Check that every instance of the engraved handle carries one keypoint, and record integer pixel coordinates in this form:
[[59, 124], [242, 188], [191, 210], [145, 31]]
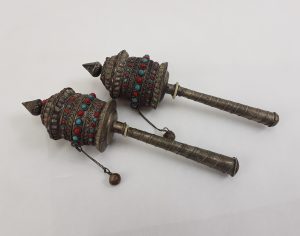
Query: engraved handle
[[261, 116], [216, 161]]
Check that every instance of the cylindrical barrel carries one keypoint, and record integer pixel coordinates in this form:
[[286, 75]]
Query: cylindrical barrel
[[261, 116], [216, 161]]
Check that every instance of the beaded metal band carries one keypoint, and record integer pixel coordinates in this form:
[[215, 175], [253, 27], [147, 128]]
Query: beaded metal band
[[118, 72], [68, 116], [51, 112], [72, 116]]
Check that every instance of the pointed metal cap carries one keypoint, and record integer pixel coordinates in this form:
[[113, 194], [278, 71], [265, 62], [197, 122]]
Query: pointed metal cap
[[34, 107], [94, 68]]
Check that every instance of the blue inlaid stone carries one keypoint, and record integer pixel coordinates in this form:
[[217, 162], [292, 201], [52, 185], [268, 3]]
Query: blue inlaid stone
[[75, 138], [141, 72], [90, 140], [78, 121], [91, 130], [145, 60], [137, 87], [91, 97], [94, 119], [84, 106]]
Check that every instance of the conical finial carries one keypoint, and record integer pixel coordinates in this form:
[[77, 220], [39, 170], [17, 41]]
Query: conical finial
[[34, 107], [94, 68]]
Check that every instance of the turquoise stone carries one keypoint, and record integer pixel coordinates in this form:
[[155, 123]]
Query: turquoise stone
[[91, 97], [84, 106], [144, 60], [94, 119], [92, 130], [90, 140], [78, 121], [75, 138], [141, 72], [137, 87]]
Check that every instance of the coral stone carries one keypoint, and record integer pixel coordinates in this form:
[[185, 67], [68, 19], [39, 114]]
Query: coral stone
[[80, 113], [87, 101], [143, 66], [77, 131], [93, 95], [96, 114], [139, 80]]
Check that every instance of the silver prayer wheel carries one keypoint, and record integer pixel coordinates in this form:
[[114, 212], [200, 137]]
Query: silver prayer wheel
[[145, 82], [86, 120]]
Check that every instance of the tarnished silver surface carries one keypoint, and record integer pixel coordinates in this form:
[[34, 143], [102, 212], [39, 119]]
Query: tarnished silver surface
[[83, 119], [261, 116], [145, 82], [107, 118], [216, 161]]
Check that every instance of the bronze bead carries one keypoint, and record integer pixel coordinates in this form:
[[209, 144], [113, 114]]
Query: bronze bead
[[169, 135], [114, 179]]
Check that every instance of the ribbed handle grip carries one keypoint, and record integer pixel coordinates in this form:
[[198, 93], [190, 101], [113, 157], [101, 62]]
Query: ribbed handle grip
[[261, 116], [216, 161]]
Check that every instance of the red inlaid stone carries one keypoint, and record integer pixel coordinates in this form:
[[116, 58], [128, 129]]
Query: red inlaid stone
[[139, 80], [87, 101], [80, 113], [93, 94], [96, 114], [143, 66], [135, 94], [93, 125], [77, 131]]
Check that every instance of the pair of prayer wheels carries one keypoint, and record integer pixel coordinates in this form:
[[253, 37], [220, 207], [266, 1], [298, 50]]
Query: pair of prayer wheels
[[83, 119]]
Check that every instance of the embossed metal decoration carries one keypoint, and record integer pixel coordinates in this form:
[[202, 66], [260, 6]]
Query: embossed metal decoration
[[86, 120], [145, 82]]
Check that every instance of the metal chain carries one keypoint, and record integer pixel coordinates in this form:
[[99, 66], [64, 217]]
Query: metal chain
[[79, 149], [165, 129]]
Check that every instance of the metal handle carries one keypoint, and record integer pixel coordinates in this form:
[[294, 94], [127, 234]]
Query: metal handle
[[261, 116], [216, 161]]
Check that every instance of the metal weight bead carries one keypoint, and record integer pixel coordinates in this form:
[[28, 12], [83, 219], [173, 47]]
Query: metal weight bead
[[169, 135], [114, 179]]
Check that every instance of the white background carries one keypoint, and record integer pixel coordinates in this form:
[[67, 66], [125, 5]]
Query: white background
[[247, 51]]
